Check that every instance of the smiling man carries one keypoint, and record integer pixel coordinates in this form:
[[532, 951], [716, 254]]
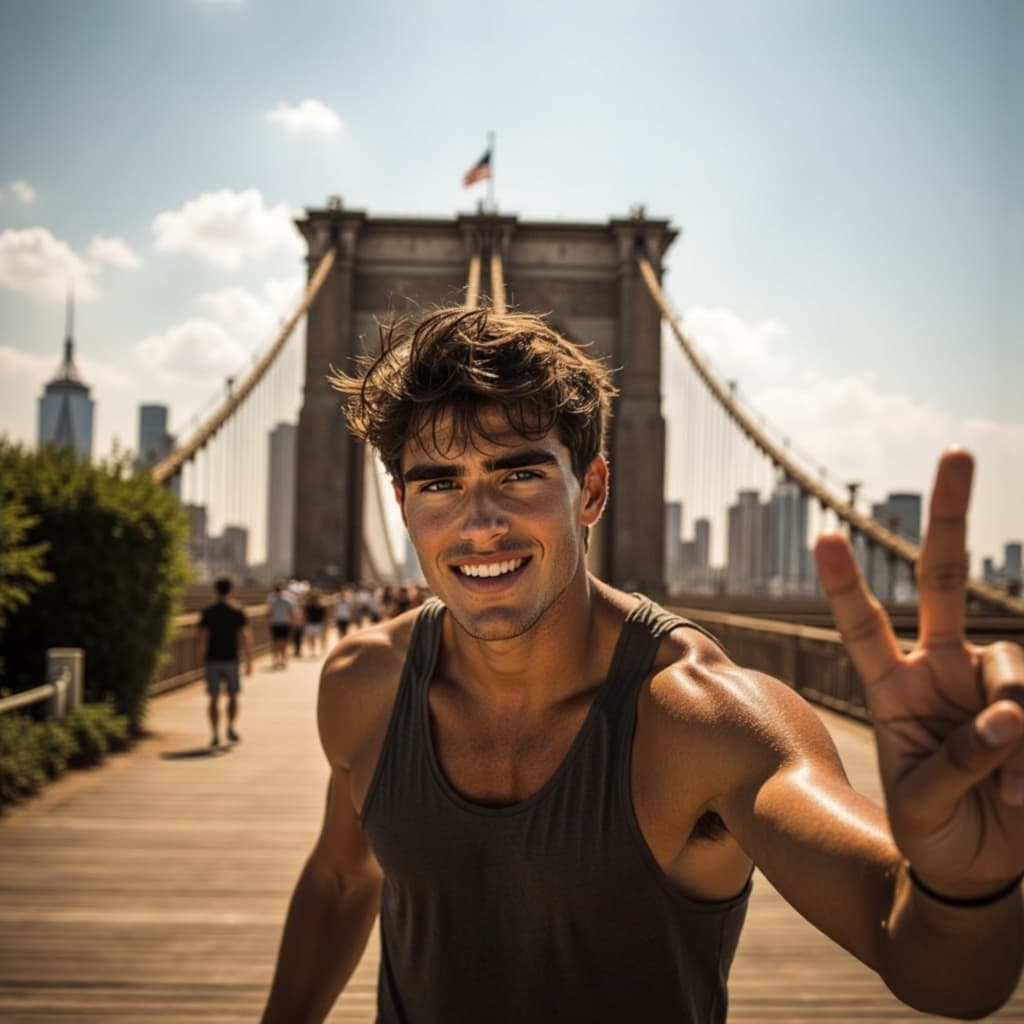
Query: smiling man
[[555, 792]]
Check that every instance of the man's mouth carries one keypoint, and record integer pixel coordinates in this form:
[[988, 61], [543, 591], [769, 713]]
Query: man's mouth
[[486, 570]]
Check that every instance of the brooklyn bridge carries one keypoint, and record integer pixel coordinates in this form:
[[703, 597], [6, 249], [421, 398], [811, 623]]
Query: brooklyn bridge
[[155, 887]]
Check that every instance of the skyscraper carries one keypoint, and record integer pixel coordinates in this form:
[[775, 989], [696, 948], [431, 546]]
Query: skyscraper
[[673, 543], [154, 441], [65, 408], [901, 513], [788, 556], [281, 500]]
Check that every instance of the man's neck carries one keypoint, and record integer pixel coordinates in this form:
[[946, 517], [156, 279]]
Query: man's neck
[[564, 652]]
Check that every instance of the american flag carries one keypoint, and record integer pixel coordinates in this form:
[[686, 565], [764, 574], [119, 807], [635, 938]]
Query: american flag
[[479, 171]]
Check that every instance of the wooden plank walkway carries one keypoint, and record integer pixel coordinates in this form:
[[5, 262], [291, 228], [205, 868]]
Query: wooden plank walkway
[[154, 887]]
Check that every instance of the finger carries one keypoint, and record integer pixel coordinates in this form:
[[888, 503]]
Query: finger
[[942, 569], [969, 754], [1002, 678], [866, 630]]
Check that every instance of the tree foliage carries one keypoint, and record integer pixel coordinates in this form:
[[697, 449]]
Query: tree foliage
[[114, 549]]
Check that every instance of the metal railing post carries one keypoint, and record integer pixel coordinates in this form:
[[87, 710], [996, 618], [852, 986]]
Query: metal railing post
[[65, 668]]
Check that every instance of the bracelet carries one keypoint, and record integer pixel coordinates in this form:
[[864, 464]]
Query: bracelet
[[965, 901]]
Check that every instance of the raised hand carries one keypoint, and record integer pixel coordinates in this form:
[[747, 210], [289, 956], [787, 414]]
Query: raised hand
[[949, 716]]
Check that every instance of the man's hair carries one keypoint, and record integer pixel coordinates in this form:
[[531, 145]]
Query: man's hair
[[223, 586], [464, 361]]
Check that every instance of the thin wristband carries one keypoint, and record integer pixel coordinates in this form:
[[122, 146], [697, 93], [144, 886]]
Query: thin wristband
[[965, 901]]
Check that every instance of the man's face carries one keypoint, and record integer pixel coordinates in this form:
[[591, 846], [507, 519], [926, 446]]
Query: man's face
[[497, 523]]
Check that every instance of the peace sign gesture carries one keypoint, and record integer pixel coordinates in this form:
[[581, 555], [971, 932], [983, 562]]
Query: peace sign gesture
[[948, 716]]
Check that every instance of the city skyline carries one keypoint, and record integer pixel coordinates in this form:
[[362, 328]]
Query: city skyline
[[846, 180]]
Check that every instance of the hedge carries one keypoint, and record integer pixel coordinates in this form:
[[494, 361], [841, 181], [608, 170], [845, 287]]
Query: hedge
[[31, 752], [112, 543]]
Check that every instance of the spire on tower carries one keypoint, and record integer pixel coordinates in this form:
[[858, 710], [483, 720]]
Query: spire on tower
[[69, 329]]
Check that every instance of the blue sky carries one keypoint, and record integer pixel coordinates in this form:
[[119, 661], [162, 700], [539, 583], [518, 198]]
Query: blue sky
[[846, 175]]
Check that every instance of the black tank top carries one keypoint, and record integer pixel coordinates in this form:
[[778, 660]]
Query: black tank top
[[548, 910]]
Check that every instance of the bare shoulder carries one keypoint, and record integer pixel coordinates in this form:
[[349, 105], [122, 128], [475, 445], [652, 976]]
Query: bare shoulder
[[358, 685], [745, 724]]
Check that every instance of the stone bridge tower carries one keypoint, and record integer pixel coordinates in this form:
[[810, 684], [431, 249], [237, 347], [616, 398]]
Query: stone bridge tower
[[583, 276]]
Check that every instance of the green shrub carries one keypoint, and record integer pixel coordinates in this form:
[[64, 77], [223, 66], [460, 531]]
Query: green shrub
[[115, 553], [90, 738], [30, 751], [21, 769], [56, 747]]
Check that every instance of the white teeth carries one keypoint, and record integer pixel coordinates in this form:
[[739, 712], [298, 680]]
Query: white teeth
[[492, 568]]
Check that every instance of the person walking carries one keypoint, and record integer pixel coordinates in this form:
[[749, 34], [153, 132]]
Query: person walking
[[316, 619], [280, 612], [223, 635]]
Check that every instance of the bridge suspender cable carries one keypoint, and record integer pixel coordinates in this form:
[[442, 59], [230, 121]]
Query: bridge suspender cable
[[891, 542], [497, 279], [473, 279], [167, 468]]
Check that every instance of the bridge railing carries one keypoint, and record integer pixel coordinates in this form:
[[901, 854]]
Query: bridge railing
[[810, 659]]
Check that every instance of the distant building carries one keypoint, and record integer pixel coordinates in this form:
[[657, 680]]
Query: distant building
[[155, 443], [65, 408], [281, 500], [890, 579], [1012, 563], [748, 543], [229, 553], [789, 560]]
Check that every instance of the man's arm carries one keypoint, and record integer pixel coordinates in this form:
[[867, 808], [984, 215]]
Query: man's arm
[[338, 892], [245, 639], [949, 724], [329, 918]]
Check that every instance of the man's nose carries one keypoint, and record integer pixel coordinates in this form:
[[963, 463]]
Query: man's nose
[[484, 515]]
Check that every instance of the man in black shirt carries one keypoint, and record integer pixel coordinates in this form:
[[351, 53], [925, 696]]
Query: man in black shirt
[[222, 628]]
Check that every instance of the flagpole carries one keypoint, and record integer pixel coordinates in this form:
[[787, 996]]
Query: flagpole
[[490, 180]]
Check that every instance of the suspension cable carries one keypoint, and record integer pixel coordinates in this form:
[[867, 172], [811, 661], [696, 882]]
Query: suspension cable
[[897, 546], [166, 468]]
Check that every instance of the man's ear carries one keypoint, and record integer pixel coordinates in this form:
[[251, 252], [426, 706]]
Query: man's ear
[[399, 492], [594, 494]]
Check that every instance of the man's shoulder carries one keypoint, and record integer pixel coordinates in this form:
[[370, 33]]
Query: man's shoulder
[[358, 685], [698, 694], [368, 658]]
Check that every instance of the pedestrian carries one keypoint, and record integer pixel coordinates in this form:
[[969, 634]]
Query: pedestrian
[[315, 619], [561, 820], [343, 611], [280, 610], [223, 636]]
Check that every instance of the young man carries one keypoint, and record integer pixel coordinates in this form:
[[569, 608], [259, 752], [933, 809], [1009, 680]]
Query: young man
[[555, 793], [223, 632]]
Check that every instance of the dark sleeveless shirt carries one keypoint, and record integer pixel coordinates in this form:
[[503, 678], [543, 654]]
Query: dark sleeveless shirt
[[548, 910]]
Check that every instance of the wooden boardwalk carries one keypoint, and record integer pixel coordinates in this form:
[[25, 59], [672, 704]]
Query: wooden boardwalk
[[154, 887]]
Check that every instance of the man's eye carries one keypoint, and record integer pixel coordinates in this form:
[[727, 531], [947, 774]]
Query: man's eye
[[435, 486], [523, 474]]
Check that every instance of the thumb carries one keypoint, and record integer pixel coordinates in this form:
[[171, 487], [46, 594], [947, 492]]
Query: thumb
[[969, 754]]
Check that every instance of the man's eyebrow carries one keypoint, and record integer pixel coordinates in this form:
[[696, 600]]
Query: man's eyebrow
[[421, 471], [431, 471], [517, 460]]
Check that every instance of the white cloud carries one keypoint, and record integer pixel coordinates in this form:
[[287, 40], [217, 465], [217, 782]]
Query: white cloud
[[310, 117], [114, 251], [736, 347], [254, 317], [32, 260], [855, 427], [23, 192], [227, 228], [202, 350]]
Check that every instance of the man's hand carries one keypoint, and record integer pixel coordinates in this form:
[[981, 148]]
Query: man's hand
[[949, 716]]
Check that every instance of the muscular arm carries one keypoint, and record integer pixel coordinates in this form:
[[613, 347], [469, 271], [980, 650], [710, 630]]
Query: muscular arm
[[829, 852], [338, 893]]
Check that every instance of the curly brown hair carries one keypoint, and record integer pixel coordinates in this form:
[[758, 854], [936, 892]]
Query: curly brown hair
[[462, 361]]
